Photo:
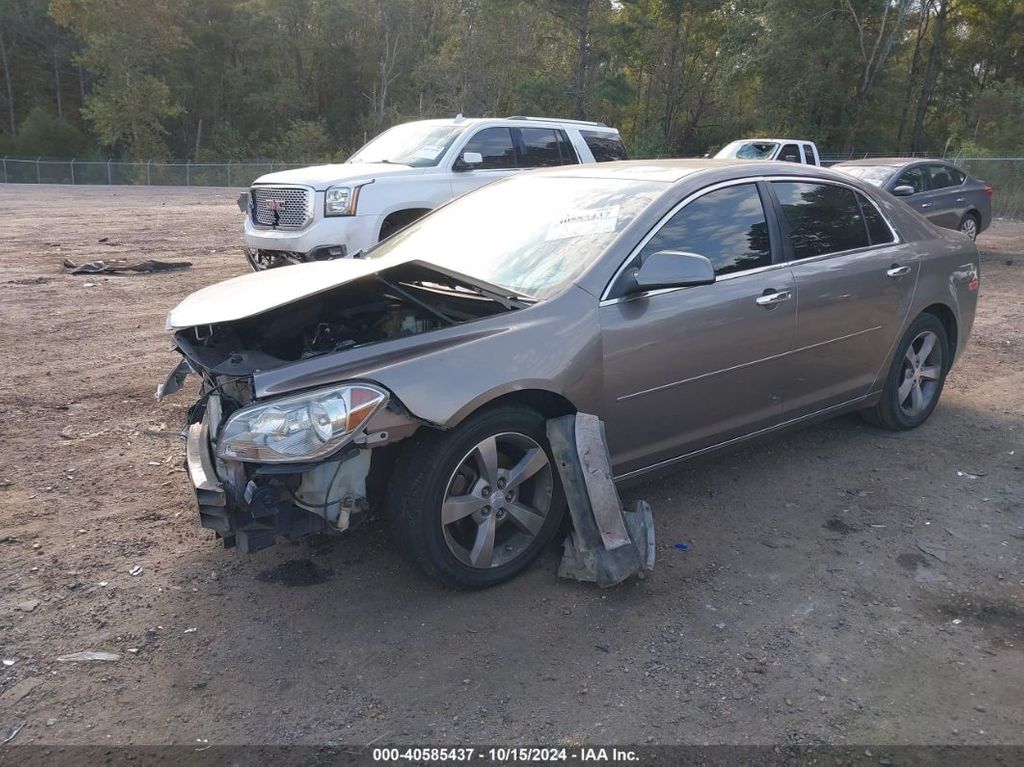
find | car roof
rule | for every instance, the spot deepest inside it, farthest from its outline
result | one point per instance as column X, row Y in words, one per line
column 895, row 162
column 772, row 140
column 671, row 171
column 520, row 120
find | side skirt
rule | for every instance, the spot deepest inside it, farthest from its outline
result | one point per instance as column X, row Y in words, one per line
column 819, row 415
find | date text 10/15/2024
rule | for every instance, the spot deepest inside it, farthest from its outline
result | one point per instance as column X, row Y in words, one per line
column 504, row 754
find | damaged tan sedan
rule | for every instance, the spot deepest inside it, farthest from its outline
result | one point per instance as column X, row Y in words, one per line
column 691, row 305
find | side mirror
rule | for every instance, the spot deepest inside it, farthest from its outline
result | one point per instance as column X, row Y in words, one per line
column 469, row 160
column 903, row 190
column 673, row 269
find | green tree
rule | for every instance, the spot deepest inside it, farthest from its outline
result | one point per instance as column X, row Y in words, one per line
column 128, row 51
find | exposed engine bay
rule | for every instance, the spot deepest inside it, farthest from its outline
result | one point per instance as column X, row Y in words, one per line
column 405, row 300
column 251, row 503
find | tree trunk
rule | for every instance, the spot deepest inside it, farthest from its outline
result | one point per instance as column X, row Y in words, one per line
column 915, row 60
column 582, row 61
column 10, row 88
column 56, row 82
column 931, row 74
column 874, row 61
column 669, row 117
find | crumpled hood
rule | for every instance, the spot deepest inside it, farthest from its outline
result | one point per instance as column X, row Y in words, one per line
column 258, row 292
column 321, row 177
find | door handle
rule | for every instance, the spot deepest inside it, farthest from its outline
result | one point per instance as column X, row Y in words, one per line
column 898, row 271
column 960, row 199
column 775, row 297
column 926, row 204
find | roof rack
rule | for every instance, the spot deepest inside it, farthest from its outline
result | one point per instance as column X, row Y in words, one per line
column 557, row 120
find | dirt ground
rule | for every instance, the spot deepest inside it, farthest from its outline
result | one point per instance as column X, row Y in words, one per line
column 803, row 611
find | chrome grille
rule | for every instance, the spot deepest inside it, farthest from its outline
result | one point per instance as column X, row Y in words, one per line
column 281, row 207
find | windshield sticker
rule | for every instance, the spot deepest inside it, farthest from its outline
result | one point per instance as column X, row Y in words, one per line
column 428, row 152
column 584, row 222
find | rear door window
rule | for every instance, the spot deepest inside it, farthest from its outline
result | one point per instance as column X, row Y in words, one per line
column 878, row 230
column 495, row 146
column 809, row 155
column 942, row 176
column 821, row 218
column 606, row 147
column 727, row 226
column 790, row 153
column 565, row 147
column 544, row 147
column 915, row 177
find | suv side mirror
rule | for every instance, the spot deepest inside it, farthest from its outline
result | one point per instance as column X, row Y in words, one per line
column 903, row 190
column 673, row 269
column 468, row 161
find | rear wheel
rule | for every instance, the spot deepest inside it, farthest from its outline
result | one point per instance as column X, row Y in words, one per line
column 475, row 506
column 916, row 377
column 969, row 225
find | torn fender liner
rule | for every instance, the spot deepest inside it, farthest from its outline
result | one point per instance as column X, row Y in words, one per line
column 607, row 545
column 174, row 381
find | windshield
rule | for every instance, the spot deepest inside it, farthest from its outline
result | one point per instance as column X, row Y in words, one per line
column 748, row 150
column 419, row 145
column 530, row 235
column 873, row 174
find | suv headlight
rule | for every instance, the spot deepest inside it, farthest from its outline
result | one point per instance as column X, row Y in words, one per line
column 341, row 201
column 300, row 428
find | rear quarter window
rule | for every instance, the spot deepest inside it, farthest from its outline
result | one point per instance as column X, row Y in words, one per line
column 606, row 147
column 542, row 147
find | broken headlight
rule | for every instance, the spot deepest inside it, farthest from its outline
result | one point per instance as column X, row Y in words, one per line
column 301, row 428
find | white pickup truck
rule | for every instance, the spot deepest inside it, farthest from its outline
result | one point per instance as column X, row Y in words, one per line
column 785, row 149
column 331, row 211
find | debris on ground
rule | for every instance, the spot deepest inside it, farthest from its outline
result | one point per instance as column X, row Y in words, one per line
column 89, row 655
column 936, row 550
column 607, row 544
column 117, row 267
column 28, row 605
column 10, row 733
column 135, row 570
column 971, row 474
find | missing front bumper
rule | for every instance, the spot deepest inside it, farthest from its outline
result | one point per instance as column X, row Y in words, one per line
column 258, row 511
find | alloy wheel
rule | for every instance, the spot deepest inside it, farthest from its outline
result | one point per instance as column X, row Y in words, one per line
column 921, row 374
column 496, row 500
column 969, row 226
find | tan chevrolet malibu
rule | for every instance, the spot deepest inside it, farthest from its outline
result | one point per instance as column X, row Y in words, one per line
column 692, row 305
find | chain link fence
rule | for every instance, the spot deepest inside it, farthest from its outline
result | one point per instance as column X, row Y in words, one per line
column 14, row 170
column 1004, row 174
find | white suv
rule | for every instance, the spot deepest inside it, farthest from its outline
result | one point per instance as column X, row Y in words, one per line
column 330, row 211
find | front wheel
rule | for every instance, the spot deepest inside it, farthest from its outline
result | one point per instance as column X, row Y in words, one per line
column 916, row 376
column 473, row 507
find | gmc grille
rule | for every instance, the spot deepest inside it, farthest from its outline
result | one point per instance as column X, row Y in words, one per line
column 281, row 207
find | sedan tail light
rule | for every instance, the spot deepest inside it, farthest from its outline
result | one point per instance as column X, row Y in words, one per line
column 988, row 190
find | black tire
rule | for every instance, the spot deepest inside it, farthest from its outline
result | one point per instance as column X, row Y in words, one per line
column 890, row 412
column 424, row 469
column 970, row 225
column 254, row 262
